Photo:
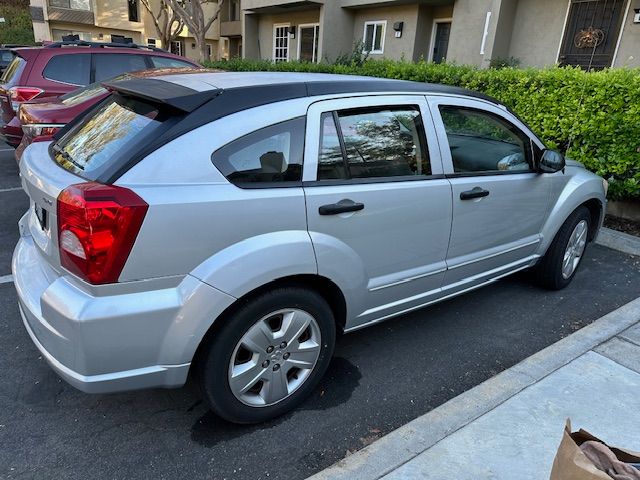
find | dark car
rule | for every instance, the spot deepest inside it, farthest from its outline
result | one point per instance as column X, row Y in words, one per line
column 6, row 55
column 40, row 119
column 61, row 67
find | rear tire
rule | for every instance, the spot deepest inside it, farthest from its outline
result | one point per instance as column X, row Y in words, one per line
column 269, row 356
column 560, row 264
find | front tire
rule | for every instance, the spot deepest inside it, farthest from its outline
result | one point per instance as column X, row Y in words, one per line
column 559, row 265
column 269, row 356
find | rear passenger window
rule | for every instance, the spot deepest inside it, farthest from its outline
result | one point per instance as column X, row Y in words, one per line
column 74, row 69
column 373, row 143
column 109, row 65
column 484, row 142
column 271, row 156
column 167, row 62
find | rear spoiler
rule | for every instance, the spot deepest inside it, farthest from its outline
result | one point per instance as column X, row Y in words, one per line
column 157, row 91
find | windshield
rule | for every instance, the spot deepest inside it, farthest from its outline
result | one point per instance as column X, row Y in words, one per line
column 117, row 126
column 81, row 95
column 94, row 90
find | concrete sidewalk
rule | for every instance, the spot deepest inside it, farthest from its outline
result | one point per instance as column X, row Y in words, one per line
column 510, row 426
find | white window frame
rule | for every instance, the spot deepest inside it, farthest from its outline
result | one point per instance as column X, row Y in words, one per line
column 210, row 51
column 376, row 24
column 434, row 31
column 275, row 28
column 316, row 39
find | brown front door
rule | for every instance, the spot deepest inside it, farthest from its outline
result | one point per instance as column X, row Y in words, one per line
column 592, row 32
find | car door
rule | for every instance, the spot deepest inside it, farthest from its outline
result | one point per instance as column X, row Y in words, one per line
column 378, row 205
column 499, row 200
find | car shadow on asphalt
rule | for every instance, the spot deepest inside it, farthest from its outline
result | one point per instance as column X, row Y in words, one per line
column 336, row 388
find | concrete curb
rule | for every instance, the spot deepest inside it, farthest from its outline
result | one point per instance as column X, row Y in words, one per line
column 408, row 441
column 619, row 241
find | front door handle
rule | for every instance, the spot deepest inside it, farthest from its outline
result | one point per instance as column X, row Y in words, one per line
column 342, row 206
column 476, row 192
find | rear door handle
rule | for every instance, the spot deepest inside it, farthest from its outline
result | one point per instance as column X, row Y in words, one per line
column 342, row 206
column 476, row 192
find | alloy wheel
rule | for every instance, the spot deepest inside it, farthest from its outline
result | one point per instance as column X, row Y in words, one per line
column 575, row 249
column 274, row 357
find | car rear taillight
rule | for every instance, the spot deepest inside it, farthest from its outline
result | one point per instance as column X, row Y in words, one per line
column 23, row 94
column 97, row 226
column 41, row 132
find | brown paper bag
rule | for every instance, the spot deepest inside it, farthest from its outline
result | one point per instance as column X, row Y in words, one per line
column 572, row 464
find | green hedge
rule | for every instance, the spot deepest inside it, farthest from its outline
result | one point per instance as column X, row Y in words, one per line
column 17, row 27
column 593, row 117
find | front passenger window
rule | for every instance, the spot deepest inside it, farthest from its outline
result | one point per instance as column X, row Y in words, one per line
column 484, row 142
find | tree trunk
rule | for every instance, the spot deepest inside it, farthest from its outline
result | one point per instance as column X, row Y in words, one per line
column 202, row 47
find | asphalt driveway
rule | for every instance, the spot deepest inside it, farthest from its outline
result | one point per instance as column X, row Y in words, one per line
column 380, row 378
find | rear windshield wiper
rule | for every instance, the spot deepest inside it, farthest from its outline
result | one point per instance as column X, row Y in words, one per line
column 59, row 151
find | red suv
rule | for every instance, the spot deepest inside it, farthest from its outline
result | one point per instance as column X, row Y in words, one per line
column 41, row 119
column 61, row 67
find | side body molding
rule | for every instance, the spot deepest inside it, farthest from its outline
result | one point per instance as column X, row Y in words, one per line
column 256, row 261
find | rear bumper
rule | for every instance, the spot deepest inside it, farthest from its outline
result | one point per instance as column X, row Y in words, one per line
column 102, row 343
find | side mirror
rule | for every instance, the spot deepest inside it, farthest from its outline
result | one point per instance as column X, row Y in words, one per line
column 551, row 161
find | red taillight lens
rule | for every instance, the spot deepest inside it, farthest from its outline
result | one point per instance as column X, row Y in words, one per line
column 23, row 94
column 97, row 226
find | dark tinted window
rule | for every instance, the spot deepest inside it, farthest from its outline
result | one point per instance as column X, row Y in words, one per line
column 74, row 69
column 93, row 143
column 378, row 142
column 134, row 15
column 167, row 62
column 269, row 155
column 5, row 56
column 111, row 64
column 483, row 142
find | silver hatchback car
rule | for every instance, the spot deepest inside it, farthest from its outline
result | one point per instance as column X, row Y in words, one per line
column 237, row 222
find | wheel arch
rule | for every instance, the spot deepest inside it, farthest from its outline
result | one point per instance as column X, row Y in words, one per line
column 582, row 191
column 321, row 285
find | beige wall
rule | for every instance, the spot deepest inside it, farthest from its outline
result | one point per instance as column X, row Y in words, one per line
column 265, row 30
column 394, row 48
column 467, row 31
column 629, row 50
column 336, row 31
column 424, row 32
column 96, row 31
column 536, row 43
column 115, row 14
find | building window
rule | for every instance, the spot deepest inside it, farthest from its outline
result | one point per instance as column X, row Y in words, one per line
column 151, row 42
column 308, row 42
column 133, row 11
column 71, row 4
column 374, row 36
column 280, row 43
column 234, row 10
column 176, row 47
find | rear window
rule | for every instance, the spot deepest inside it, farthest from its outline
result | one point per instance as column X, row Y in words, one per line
column 118, row 126
column 13, row 71
column 74, row 69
